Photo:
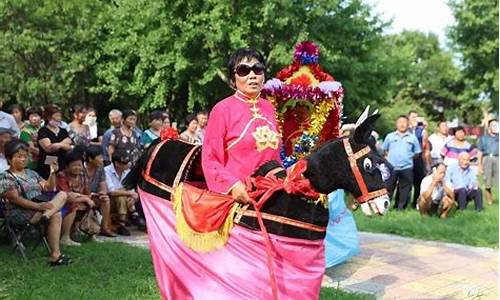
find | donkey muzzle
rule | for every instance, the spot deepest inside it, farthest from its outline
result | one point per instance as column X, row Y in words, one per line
column 377, row 206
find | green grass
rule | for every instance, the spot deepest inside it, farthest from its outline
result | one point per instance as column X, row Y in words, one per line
column 467, row 227
column 338, row 294
column 100, row 271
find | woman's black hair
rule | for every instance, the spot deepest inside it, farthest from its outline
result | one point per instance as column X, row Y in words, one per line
column 13, row 146
column 457, row 129
column 92, row 151
column 240, row 55
column 189, row 119
column 127, row 113
column 75, row 155
column 34, row 110
column 157, row 115
column 77, row 108
column 49, row 110
column 119, row 155
column 13, row 107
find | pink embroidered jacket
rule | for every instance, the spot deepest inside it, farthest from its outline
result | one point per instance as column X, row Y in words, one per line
column 241, row 135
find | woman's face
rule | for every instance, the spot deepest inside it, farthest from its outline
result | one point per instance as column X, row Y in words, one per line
column 19, row 160
column 75, row 167
column 98, row 161
column 80, row 116
column 18, row 115
column 35, row 120
column 166, row 122
column 156, row 124
column 91, row 113
column 130, row 121
column 55, row 120
column 251, row 84
column 193, row 125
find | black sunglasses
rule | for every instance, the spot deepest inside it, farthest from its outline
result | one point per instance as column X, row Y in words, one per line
column 244, row 70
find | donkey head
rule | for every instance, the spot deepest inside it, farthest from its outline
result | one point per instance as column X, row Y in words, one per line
column 352, row 164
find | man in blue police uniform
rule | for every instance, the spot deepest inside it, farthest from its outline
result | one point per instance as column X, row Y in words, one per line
column 401, row 147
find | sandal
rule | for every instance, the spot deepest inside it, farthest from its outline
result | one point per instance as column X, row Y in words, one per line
column 62, row 260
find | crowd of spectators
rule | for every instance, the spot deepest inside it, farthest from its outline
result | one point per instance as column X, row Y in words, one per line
column 55, row 172
column 443, row 168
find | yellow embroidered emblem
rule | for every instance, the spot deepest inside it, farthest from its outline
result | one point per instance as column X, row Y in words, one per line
column 266, row 138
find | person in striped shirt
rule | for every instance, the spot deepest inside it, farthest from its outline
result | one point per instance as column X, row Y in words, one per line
column 457, row 145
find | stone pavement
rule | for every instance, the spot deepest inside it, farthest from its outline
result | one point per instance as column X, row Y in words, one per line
column 393, row 267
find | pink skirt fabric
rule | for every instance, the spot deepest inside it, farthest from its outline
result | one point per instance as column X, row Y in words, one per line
column 237, row 271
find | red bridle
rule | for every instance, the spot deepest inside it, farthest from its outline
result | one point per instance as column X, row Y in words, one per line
column 353, row 157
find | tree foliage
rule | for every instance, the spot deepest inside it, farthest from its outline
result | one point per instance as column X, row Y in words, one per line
column 151, row 54
column 475, row 37
column 47, row 50
column 427, row 75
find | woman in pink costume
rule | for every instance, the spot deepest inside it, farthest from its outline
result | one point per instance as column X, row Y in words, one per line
column 242, row 132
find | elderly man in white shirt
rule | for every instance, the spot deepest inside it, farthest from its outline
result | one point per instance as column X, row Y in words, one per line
column 123, row 200
column 436, row 193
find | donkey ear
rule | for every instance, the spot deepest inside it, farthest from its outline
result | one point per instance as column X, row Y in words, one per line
column 363, row 131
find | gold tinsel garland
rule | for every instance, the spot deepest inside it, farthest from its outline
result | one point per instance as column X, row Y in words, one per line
column 320, row 115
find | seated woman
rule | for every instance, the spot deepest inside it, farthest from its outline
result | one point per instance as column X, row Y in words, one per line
column 94, row 171
column 23, row 189
column 73, row 181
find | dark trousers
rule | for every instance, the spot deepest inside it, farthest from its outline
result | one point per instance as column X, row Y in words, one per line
column 138, row 208
column 402, row 180
column 463, row 196
column 418, row 175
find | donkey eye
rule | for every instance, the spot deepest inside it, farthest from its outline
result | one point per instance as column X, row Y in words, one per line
column 367, row 164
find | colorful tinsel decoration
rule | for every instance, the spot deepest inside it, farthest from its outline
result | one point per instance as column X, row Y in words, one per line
column 302, row 148
column 307, row 53
column 305, row 81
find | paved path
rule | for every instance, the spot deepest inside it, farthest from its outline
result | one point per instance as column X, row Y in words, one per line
column 393, row 267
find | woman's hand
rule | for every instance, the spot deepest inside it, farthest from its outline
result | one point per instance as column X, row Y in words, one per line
column 54, row 167
column 90, row 203
column 43, row 206
column 239, row 193
column 103, row 197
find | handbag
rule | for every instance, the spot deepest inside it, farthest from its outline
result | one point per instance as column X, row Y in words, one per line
column 90, row 223
column 44, row 197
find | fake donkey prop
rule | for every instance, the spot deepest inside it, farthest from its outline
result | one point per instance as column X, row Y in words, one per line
column 282, row 231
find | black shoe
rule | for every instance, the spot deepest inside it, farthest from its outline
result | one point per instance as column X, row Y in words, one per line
column 141, row 224
column 137, row 221
column 122, row 230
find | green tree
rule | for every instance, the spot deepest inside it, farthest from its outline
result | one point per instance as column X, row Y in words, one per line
column 155, row 54
column 475, row 37
column 425, row 78
column 47, row 50
column 174, row 55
